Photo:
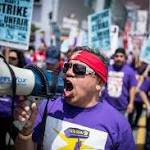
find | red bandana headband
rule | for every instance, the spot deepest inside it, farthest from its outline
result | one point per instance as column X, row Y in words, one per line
column 93, row 62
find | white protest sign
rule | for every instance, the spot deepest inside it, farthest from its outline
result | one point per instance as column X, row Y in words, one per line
column 141, row 23
column 15, row 23
column 70, row 22
column 114, row 36
column 145, row 52
column 99, row 30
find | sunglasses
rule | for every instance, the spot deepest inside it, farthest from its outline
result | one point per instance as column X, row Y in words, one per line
column 78, row 69
column 12, row 58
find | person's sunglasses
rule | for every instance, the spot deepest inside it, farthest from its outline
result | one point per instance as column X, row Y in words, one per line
column 12, row 58
column 78, row 69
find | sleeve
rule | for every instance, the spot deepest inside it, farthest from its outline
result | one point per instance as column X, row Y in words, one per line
column 145, row 85
column 126, row 139
column 133, row 80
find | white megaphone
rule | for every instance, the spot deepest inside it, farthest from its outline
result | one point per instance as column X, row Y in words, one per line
column 29, row 82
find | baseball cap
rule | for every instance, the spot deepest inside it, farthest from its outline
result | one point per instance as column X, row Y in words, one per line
column 53, row 55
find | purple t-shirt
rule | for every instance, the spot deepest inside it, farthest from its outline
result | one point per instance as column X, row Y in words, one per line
column 73, row 128
column 146, row 87
column 5, row 106
column 118, row 85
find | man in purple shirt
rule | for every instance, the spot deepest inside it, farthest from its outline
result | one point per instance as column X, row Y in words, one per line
column 145, row 95
column 121, row 83
column 134, row 117
column 80, row 119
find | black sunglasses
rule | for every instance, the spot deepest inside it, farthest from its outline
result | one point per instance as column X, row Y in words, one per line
column 78, row 69
column 12, row 58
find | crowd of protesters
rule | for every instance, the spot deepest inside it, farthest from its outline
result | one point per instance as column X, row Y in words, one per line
column 127, row 87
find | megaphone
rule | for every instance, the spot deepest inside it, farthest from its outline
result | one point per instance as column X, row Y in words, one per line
column 30, row 81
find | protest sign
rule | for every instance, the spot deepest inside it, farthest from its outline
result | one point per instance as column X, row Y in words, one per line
column 114, row 39
column 145, row 52
column 99, row 30
column 15, row 23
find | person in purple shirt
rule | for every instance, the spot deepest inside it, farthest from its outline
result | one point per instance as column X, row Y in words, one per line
column 145, row 95
column 141, row 70
column 121, row 83
column 14, row 58
column 80, row 119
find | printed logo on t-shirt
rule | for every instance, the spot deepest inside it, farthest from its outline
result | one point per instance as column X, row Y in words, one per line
column 115, row 83
column 63, row 135
column 75, row 132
